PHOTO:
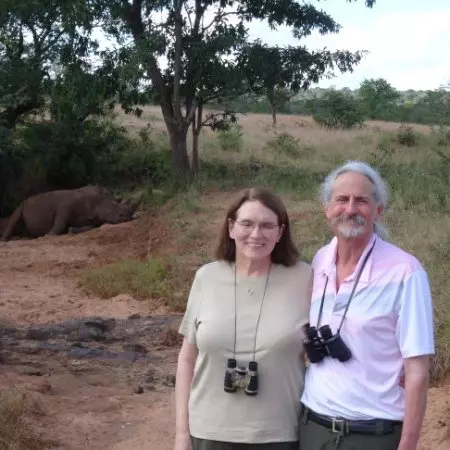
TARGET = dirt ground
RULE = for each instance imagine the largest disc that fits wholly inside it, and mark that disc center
(89, 404)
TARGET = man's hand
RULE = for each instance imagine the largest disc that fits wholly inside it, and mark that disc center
(183, 442)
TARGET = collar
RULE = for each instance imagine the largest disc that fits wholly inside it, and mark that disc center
(329, 263)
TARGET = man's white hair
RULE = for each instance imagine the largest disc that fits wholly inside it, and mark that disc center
(380, 191)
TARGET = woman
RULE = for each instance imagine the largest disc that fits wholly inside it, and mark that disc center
(241, 365)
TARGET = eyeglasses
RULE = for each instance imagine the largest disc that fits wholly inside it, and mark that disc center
(249, 225)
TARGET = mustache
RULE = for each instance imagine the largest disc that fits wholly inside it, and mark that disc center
(354, 219)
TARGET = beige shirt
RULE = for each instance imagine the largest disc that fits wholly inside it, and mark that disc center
(271, 415)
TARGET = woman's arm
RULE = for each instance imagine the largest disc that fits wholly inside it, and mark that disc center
(184, 375)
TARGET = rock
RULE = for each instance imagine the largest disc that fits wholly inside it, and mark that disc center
(134, 316)
(169, 380)
(98, 322)
(34, 373)
(137, 348)
(88, 333)
(40, 333)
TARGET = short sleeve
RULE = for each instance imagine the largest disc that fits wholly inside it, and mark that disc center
(188, 326)
(415, 331)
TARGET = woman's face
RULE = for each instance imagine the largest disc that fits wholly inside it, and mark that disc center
(255, 231)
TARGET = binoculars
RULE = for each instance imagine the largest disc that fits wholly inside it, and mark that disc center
(321, 343)
(241, 377)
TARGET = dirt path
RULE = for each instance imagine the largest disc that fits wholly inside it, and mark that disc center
(104, 404)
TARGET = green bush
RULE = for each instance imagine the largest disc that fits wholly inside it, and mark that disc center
(407, 136)
(285, 143)
(230, 140)
(337, 110)
(53, 155)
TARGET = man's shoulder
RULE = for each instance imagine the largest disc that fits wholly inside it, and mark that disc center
(392, 257)
(322, 255)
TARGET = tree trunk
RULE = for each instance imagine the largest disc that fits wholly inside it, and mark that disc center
(180, 158)
(274, 115)
(195, 139)
(271, 97)
(196, 128)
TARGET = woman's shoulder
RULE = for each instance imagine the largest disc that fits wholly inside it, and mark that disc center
(213, 268)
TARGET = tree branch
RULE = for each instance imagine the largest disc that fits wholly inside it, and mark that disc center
(178, 4)
(218, 17)
(188, 15)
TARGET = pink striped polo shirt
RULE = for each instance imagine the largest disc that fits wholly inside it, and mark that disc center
(389, 318)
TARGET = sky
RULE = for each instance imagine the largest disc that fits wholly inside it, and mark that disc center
(408, 41)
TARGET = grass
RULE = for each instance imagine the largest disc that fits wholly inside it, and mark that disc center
(16, 431)
(293, 160)
(142, 279)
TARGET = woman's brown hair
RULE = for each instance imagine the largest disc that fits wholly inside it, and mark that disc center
(284, 252)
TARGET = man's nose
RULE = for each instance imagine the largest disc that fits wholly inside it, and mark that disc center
(351, 206)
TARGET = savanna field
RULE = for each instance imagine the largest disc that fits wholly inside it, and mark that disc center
(146, 266)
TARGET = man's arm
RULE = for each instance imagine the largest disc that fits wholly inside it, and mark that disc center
(416, 387)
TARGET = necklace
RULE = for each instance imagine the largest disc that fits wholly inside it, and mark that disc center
(250, 291)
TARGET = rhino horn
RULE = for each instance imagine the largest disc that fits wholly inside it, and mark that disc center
(133, 204)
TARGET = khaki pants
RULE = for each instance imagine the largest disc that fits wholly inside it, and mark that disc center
(318, 437)
(204, 444)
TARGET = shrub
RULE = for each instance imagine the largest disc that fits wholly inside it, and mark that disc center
(337, 110)
(230, 140)
(407, 136)
(285, 143)
(16, 431)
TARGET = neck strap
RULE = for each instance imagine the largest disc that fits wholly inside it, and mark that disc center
(259, 314)
(358, 276)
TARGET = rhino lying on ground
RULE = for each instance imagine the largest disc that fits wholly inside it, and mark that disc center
(56, 212)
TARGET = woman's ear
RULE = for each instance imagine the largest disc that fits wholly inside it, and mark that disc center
(231, 228)
(280, 232)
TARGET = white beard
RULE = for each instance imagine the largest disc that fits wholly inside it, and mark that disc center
(349, 228)
(350, 231)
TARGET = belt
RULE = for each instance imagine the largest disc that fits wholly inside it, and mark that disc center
(344, 426)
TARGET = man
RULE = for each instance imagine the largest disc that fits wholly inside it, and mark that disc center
(353, 399)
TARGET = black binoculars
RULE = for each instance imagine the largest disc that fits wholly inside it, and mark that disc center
(321, 343)
(241, 377)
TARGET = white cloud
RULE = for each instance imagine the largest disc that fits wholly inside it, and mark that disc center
(409, 49)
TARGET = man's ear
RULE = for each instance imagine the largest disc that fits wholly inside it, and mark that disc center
(380, 210)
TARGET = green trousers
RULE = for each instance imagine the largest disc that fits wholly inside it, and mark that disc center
(204, 444)
(318, 437)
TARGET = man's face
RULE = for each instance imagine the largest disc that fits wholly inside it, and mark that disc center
(352, 210)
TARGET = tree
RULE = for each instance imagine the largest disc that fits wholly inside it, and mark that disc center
(378, 98)
(337, 109)
(281, 72)
(201, 46)
(37, 37)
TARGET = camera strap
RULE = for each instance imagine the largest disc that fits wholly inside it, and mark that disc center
(259, 314)
(355, 284)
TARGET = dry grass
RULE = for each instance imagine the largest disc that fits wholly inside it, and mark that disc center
(16, 417)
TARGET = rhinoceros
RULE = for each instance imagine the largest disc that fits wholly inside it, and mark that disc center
(57, 212)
